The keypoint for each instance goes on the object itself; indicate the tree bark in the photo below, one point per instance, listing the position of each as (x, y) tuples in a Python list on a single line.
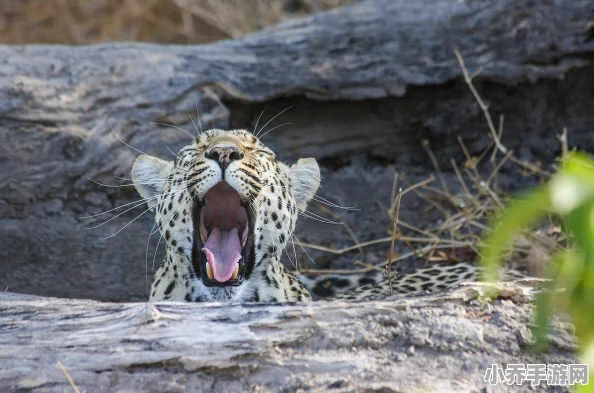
[(440, 343)]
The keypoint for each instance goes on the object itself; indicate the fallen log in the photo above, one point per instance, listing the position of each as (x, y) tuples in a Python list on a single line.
[(442, 342)]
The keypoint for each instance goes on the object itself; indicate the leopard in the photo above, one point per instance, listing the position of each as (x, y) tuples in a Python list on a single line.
[(226, 208)]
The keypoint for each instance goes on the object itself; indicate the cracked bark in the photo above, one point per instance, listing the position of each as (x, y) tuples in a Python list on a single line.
[(431, 343)]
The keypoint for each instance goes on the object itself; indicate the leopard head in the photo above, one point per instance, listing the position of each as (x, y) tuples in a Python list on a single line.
[(225, 207)]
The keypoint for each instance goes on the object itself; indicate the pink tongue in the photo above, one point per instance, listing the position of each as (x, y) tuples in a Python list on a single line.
[(223, 252)]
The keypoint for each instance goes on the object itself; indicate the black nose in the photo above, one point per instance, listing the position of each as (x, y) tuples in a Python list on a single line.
[(224, 155)]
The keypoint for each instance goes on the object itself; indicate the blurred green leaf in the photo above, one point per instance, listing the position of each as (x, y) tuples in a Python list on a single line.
[(569, 195), (520, 213)]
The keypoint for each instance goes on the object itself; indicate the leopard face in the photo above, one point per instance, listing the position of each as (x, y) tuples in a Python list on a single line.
[(226, 209)]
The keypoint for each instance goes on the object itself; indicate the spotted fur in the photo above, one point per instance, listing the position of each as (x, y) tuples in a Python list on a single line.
[(275, 194), (372, 285)]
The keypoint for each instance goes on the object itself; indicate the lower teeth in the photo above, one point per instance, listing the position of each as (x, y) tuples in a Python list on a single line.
[(211, 276)]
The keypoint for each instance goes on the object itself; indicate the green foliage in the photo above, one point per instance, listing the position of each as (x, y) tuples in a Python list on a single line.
[(569, 195)]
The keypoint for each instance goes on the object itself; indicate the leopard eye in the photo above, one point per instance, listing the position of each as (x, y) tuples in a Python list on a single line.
[(265, 152)]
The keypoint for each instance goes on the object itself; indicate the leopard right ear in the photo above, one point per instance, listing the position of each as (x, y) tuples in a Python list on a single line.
[(305, 179), (149, 175)]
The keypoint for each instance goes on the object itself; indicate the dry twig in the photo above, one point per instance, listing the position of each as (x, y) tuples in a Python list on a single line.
[(480, 101), (394, 234), (68, 377)]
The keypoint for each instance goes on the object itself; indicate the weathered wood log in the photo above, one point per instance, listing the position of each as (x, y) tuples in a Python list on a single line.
[(384, 72), (441, 343)]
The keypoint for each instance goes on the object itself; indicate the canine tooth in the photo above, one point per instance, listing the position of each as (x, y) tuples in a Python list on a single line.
[(209, 272), (236, 272), (243, 241), (203, 237)]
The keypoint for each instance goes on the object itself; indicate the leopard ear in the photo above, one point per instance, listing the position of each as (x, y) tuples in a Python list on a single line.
[(149, 175), (305, 179)]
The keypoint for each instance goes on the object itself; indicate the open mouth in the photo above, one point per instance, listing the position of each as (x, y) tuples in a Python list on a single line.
[(222, 237)]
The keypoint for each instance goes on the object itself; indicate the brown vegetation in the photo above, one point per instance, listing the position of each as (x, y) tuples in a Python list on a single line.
[(164, 21), (467, 209)]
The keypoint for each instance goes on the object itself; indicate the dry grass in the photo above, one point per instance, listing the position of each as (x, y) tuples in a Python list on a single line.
[(163, 21), (466, 212)]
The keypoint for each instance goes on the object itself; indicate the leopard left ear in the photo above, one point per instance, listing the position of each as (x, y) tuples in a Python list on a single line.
[(305, 179), (148, 175)]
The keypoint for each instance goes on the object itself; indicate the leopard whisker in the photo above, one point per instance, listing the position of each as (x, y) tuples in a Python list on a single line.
[(156, 181), (126, 178), (198, 112), (130, 179), (176, 127), (171, 151), (192, 119), (125, 226), (252, 208), (177, 157), (181, 207), (127, 210), (257, 121), (138, 202), (319, 199), (290, 260), (264, 126), (319, 218), (303, 248), (151, 233), (124, 185), (295, 254), (156, 249), (121, 140), (272, 129)]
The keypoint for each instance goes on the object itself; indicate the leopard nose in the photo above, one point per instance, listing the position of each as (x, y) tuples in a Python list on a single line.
[(224, 155)]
